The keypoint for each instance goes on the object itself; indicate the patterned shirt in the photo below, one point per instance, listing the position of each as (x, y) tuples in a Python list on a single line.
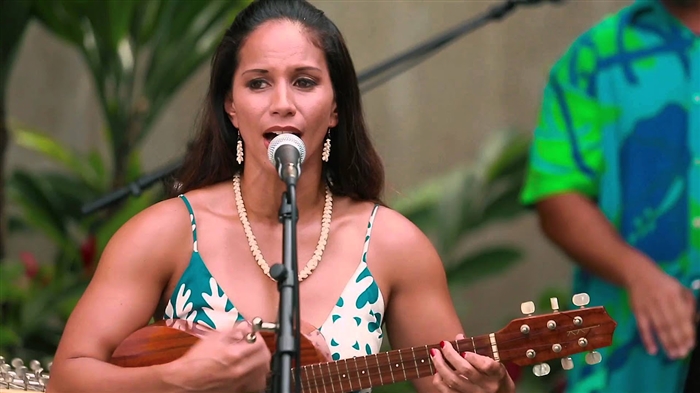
[(620, 123)]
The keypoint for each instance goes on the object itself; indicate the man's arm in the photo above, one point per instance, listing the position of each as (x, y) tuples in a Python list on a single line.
[(566, 164), (662, 306), (575, 224)]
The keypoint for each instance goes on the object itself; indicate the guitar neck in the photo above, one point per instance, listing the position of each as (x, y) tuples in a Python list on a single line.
[(386, 367)]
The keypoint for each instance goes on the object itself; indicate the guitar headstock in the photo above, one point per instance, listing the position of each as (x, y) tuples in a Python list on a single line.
[(535, 339), (16, 376)]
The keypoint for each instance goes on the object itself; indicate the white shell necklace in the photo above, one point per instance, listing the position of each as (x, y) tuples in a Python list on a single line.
[(322, 240)]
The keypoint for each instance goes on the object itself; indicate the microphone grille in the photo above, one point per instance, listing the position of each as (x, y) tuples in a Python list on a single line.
[(286, 139)]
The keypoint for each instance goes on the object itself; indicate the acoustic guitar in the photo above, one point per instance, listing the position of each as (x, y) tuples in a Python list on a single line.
[(531, 340)]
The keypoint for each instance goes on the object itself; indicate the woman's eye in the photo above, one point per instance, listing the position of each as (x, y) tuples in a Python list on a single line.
[(305, 83), (256, 84)]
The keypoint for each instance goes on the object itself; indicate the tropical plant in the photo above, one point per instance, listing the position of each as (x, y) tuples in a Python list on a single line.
[(139, 54), (453, 208)]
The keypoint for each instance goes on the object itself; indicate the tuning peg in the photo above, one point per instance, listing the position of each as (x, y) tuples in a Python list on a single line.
[(567, 363), (44, 380), (34, 365), (17, 363), (581, 299), (527, 308), (593, 357), (22, 373), (5, 372), (555, 304), (540, 370)]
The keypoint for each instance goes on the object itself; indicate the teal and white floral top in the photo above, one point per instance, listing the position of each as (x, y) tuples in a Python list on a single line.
[(353, 328)]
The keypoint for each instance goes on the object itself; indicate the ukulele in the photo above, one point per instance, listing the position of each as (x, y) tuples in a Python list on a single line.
[(531, 340)]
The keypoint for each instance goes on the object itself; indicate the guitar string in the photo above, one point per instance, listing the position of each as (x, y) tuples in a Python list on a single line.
[(334, 376)]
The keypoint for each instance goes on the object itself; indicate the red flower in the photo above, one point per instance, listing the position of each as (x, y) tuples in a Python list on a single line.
[(31, 266)]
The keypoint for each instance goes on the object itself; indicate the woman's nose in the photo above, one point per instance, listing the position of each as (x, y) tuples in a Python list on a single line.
[(282, 101)]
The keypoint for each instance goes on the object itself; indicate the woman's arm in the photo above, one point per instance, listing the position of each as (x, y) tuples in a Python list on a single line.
[(420, 310), (121, 298)]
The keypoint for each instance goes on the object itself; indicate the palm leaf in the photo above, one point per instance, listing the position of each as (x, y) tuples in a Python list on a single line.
[(38, 208), (51, 148), (139, 53)]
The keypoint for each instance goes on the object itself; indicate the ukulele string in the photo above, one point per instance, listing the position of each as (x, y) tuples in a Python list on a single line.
[(334, 376)]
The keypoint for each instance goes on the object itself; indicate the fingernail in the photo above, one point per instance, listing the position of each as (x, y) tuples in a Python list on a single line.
[(433, 352), (443, 343), (464, 355)]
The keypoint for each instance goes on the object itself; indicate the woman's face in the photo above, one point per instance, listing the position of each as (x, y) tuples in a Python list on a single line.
[(282, 85)]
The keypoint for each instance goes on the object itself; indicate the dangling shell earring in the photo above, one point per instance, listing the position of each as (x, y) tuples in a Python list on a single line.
[(239, 149), (326, 153)]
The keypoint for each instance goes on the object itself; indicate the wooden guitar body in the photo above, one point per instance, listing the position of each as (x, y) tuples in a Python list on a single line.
[(165, 341)]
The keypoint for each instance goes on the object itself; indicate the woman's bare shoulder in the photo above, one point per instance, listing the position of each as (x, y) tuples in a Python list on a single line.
[(155, 233), (394, 233), (401, 246), (393, 236)]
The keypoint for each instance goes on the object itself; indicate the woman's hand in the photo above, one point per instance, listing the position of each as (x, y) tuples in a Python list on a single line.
[(468, 372), (222, 362)]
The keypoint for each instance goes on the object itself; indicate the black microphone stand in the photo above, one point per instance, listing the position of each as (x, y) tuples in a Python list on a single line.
[(286, 274), (415, 55), (134, 188)]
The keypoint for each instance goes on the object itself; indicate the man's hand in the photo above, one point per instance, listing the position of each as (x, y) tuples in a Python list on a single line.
[(664, 309)]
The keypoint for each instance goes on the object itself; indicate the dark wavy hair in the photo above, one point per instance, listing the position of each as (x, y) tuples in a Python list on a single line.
[(354, 167)]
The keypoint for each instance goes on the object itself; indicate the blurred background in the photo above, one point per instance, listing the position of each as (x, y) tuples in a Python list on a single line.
[(85, 114)]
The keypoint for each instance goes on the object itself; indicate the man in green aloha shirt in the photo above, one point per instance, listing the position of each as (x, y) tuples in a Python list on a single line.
[(615, 175)]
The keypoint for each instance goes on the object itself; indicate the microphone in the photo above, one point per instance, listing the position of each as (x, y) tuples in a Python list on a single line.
[(286, 152)]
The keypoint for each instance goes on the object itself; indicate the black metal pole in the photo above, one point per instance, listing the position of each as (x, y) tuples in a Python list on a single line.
[(288, 337)]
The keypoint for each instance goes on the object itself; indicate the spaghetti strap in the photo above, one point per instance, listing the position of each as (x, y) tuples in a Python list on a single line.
[(192, 221), (370, 224)]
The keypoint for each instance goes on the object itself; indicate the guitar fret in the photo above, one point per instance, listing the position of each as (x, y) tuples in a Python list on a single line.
[(415, 363), (368, 372), (308, 380), (330, 377), (391, 369), (403, 366), (379, 369), (340, 376), (430, 360), (323, 383), (357, 370), (348, 374)]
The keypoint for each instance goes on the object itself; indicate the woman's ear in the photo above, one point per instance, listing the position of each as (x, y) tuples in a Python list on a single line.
[(334, 116), (231, 110)]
